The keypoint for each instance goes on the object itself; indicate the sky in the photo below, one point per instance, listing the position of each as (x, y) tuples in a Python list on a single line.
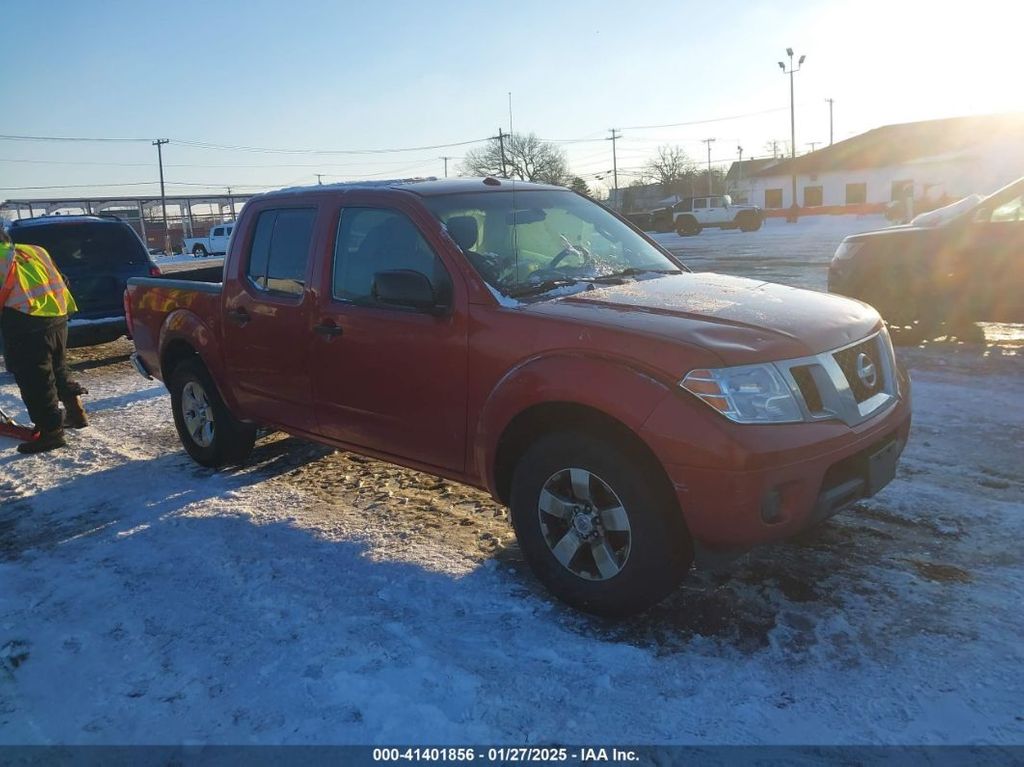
[(327, 80)]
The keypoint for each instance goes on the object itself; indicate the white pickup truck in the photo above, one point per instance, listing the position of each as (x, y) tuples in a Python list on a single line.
[(691, 214), (215, 244)]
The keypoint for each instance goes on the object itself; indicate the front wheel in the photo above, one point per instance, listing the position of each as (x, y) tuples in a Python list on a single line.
[(750, 223), (597, 524), (208, 431)]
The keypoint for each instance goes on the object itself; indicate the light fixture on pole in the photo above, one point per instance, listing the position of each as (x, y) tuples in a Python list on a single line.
[(792, 215)]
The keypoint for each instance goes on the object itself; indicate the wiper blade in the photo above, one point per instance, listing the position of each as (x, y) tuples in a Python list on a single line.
[(541, 287), (632, 271)]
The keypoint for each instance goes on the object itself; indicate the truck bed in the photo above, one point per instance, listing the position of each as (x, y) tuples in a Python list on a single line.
[(152, 300)]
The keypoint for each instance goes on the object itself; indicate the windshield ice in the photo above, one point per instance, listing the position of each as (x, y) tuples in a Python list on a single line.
[(533, 240)]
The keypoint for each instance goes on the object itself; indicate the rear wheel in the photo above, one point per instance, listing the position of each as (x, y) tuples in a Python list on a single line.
[(597, 525), (208, 431), (688, 226), (198, 251)]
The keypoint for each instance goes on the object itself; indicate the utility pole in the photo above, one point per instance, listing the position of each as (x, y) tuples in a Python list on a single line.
[(792, 217), (739, 170), (708, 141), (446, 159), (615, 165), (163, 196), (830, 120), (232, 201), (813, 144), (319, 179), (775, 149), (501, 145)]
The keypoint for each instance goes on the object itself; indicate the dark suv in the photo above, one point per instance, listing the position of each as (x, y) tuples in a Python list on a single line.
[(96, 255), (950, 267)]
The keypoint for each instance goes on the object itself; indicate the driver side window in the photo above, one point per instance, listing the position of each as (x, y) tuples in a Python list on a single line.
[(372, 240)]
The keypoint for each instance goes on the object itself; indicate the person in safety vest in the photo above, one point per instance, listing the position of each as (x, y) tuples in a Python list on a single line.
[(36, 304)]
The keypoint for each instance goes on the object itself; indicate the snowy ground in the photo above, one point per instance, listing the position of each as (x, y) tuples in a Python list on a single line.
[(318, 597)]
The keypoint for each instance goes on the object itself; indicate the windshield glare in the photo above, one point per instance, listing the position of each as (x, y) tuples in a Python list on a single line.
[(547, 237)]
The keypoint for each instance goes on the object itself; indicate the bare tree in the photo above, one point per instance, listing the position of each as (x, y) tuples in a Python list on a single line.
[(526, 157), (670, 166)]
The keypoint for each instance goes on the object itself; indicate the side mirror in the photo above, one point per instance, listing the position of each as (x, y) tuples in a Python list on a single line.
[(406, 287)]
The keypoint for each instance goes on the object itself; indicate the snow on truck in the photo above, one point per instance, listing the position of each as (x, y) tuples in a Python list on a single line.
[(523, 339), (215, 244)]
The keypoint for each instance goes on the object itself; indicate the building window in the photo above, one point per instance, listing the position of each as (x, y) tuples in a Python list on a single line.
[(901, 190), (773, 198), (812, 196), (856, 194)]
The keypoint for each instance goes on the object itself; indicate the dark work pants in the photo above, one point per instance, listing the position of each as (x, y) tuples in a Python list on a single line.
[(34, 349)]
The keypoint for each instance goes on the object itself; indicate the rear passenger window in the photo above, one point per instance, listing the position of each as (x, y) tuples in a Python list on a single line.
[(702, 203), (280, 250)]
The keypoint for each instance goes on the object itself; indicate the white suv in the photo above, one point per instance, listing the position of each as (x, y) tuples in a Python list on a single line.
[(691, 214)]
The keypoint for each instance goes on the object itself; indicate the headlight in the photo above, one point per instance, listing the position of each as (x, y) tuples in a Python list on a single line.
[(745, 394), (847, 250)]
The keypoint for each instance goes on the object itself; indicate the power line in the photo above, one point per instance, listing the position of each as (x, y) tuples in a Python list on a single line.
[(705, 122), (267, 150), (240, 148), (212, 165), (9, 137)]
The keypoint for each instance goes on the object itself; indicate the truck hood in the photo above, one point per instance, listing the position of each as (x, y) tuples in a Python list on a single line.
[(742, 321)]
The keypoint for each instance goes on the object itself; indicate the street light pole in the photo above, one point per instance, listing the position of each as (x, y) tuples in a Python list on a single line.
[(792, 217), (830, 120), (708, 142)]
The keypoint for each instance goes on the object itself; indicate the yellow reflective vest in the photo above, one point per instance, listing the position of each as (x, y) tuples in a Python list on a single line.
[(31, 283)]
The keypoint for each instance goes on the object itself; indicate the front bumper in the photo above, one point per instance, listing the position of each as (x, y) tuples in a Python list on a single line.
[(782, 479)]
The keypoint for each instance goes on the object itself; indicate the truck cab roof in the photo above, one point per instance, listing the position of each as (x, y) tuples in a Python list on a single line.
[(424, 187)]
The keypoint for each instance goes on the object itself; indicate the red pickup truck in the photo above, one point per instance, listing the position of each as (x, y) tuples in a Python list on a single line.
[(523, 339)]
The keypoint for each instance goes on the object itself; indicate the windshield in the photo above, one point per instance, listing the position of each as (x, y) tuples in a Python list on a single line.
[(548, 239)]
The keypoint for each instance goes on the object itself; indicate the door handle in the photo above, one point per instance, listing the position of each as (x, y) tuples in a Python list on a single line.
[(328, 329), (239, 316)]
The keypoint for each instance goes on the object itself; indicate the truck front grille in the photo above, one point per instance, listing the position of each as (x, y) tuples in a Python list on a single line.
[(808, 388), (862, 366), (851, 383)]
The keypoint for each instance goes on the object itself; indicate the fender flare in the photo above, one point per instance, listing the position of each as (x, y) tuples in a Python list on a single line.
[(627, 394), (182, 325)]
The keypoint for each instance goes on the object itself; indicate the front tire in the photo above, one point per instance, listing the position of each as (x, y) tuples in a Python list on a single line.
[(750, 223), (206, 428), (597, 524)]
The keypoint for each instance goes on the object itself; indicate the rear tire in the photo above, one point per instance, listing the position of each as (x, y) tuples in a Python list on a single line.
[(199, 251), (597, 525), (208, 431), (688, 227)]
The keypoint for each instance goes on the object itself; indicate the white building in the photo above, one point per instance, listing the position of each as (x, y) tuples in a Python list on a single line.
[(931, 161)]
